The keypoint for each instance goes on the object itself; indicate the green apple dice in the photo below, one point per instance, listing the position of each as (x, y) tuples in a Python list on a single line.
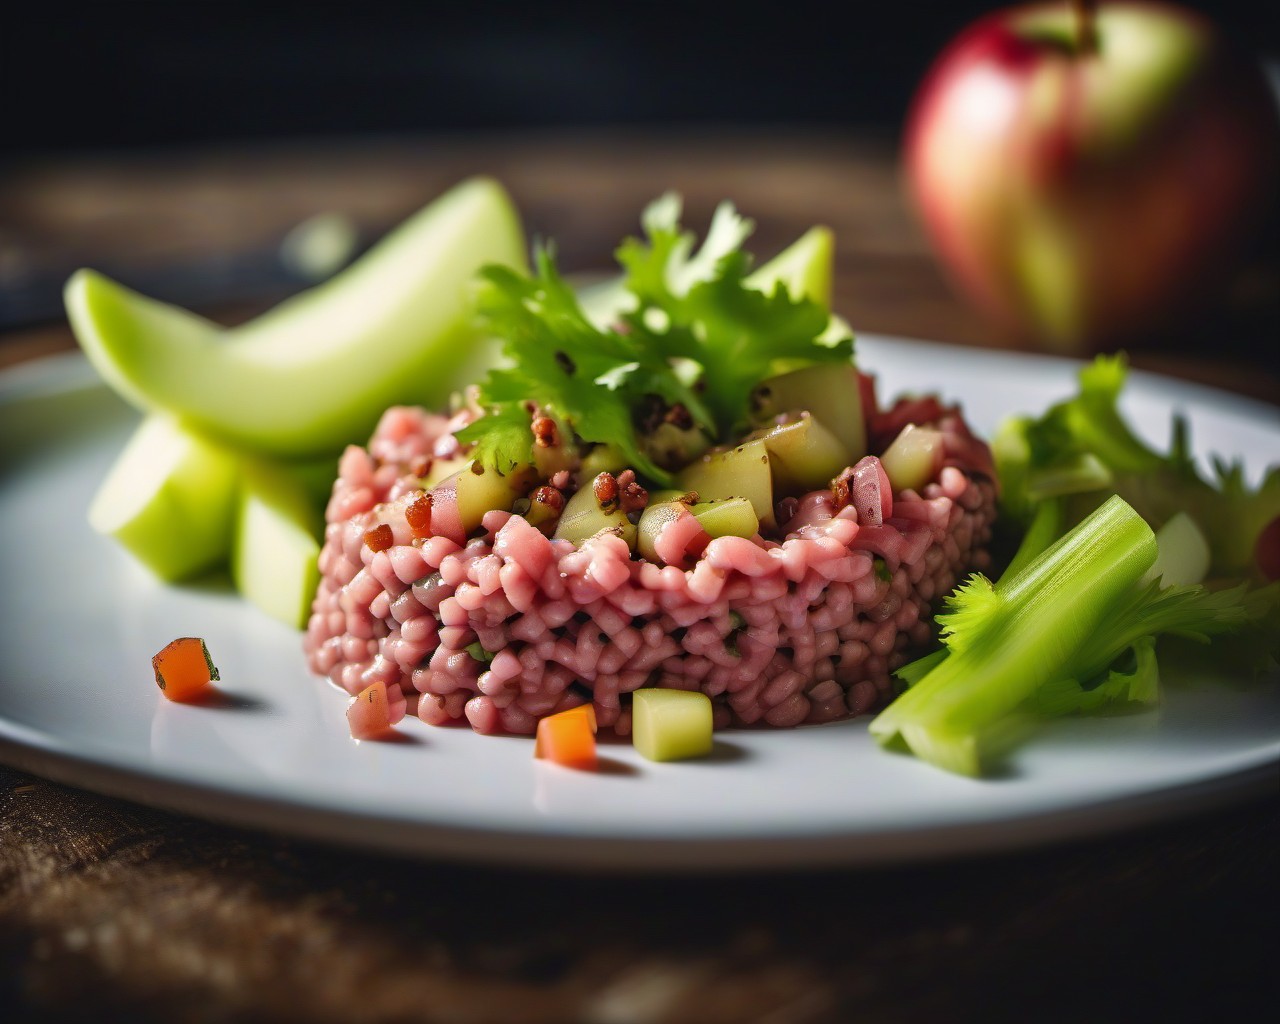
[(829, 393), (583, 517), (803, 454), (656, 517), (168, 500), (738, 472), (729, 517), (461, 500), (275, 551), (914, 458), (315, 372), (671, 725)]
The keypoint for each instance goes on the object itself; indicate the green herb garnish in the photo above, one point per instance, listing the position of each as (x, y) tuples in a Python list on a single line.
[(1082, 450), (1074, 625), (693, 334), (1073, 630)]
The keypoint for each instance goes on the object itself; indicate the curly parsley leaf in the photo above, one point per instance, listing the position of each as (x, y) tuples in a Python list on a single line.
[(505, 441), (700, 308), (558, 360), (697, 335)]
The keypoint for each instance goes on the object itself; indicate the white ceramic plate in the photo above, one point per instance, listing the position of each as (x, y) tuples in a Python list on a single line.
[(79, 622)]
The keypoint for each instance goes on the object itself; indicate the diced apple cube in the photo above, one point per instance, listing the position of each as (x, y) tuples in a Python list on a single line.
[(739, 472), (914, 457), (804, 454), (671, 725), (583, 517)]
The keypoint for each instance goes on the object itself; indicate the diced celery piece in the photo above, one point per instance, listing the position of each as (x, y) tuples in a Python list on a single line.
[(671, 725), (583, 518), (913, 458), (803, 454), (740, 472)]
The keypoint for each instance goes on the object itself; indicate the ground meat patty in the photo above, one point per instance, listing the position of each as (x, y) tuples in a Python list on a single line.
[(514, 626)]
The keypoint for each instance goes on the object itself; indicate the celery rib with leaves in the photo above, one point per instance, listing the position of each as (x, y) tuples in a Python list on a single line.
[(1072, 626), (1074, 630)]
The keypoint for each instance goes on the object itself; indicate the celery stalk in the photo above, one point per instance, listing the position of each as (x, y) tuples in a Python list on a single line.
[(1005, 642), (1046, 527)]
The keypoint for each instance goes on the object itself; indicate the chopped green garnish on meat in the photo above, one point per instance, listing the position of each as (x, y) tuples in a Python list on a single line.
[(694, 336)]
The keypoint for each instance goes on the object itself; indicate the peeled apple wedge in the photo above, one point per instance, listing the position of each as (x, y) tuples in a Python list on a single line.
[(168, 499), (806, 266), (315, 372), (275, 545)]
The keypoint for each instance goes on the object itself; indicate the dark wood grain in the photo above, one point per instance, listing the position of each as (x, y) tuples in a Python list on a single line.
[(109, 910)]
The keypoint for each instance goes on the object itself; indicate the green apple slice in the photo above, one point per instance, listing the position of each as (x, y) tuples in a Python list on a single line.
[(275, 548), (671, 725), (806, 266), (168, 499), (315, 372)]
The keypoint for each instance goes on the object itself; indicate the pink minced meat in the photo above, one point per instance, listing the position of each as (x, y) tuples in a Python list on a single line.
[(807, 628)]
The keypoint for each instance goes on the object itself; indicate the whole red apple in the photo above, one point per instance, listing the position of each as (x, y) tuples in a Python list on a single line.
[(1085, 171)]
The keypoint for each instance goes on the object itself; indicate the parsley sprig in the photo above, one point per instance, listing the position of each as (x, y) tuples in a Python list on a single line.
[(694, 334)]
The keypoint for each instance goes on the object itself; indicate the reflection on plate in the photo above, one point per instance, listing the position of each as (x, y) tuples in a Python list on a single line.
[(80, 621)]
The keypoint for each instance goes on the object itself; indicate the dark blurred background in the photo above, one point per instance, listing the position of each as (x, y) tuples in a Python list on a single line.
[(113, 74)]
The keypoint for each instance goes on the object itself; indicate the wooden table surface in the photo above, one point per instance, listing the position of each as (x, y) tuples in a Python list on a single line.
[(110, 910)]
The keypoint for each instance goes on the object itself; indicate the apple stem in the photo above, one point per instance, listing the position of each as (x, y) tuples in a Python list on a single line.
[(1086, 28)]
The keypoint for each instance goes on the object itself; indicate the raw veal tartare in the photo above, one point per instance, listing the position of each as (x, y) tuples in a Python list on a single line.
[(689, 487)]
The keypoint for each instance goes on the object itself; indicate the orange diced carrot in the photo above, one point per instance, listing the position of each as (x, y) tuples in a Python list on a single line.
[(568, 738), (183, 668), (368, 714)]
